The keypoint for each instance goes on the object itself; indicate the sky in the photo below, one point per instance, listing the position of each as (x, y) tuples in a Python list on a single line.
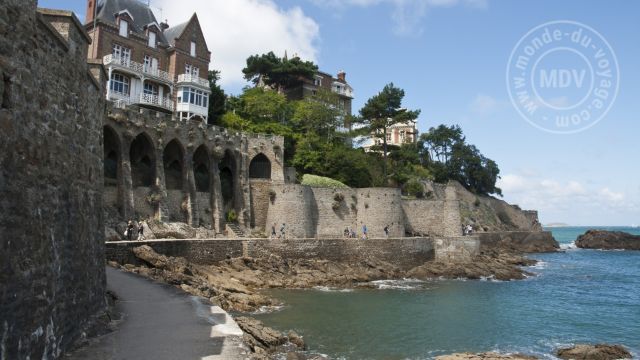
[(452, 58)]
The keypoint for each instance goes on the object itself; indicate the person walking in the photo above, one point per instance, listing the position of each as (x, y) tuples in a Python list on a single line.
[(129, 230), (140, 231), (273, 231), (364, 231), (282, 231), (386, 231)]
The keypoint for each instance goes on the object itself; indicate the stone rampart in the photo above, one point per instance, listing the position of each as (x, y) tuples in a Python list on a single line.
[(52, 277), (402, 252)]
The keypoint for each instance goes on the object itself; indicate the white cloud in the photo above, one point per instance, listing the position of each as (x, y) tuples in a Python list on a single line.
[(570, 201), (407, 15), (236, 29), (484, 104)]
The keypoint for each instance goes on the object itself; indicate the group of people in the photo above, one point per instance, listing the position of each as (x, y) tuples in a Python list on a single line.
[(134, 231), (349, 232), (467, 229), (273, 232)]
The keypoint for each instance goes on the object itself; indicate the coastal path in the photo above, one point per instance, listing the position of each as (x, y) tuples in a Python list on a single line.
[(161, 322)]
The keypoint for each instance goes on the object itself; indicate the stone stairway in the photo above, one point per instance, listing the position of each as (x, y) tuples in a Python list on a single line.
[(236, 229)]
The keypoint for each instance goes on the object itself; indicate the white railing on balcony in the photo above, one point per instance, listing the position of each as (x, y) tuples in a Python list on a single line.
[(125, 62), (188, 78), (156, 100), (342, 91)]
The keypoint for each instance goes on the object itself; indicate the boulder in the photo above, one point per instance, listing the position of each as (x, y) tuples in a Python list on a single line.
[(259, 336), (608, 240), (176, 230), (110, 234), (174, 264), (594, 352)]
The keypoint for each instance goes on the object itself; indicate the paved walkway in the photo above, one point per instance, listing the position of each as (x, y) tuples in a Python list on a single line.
[(161, 322)]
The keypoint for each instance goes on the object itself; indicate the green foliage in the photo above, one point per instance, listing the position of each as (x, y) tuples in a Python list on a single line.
[(321, 181), (448, 156), (234, 121), (231, 216), (382, 111), (216, 98), (276, 72), (414, 187)]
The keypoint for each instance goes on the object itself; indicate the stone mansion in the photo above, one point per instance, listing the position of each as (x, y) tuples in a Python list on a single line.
[(149, 64)]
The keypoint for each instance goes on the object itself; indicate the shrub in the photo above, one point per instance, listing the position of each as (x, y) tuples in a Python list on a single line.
[(415, 188), (231, 216), (321, 181), (272, 195), (335, 206), (338, 197), (476, 203)]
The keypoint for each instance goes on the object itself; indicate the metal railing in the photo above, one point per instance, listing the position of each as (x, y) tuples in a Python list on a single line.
[(126, 63), (156, 100), (193, 79)]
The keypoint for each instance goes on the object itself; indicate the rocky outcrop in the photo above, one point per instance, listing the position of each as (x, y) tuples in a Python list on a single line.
[(263, 339), (608, 240), (485, 356), (175, 230), (519, 241), (594, 352), (489, 265)]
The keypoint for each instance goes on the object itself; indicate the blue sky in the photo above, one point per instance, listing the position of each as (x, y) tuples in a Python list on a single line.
[(451, 57)]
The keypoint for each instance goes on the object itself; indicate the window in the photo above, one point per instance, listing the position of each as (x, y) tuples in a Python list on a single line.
[(150, 63), (317, 80), (191, 70), (402, 132), (150, 88), (122, 53), (189, 95), (388, 137), (152, 39), (124, 28), (193, 49), (119, 84)]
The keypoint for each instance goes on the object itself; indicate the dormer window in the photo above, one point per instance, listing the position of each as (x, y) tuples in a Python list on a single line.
[(152, 39), (193, 49), (124, 28)]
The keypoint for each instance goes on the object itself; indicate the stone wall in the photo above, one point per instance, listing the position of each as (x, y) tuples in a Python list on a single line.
[(424, 216), (52, 277), (323, 212), (457, 248), (402, 252), (260, 199), (215, 147), (524, 241)]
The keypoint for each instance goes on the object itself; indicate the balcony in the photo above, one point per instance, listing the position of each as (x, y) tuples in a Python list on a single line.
[(192, 79), (154, 100), (125, 63), (344, 92)]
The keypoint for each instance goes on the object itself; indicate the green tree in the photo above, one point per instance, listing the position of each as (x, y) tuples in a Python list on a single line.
[(278, 73), (216, 98), (318, 114), (383, 110)]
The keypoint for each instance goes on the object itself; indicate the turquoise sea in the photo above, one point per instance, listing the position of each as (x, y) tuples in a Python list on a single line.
[(576, 296)]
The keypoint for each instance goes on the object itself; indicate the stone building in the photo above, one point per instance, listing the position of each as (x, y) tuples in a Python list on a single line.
[(325, 81), (150, 64), (52, 277), (397, 134)]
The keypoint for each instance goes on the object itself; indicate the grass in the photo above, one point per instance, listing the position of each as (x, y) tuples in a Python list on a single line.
[(321, 181)]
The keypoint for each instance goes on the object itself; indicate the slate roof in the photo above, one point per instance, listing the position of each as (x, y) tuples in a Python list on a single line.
[(174, 32), (141, 13)]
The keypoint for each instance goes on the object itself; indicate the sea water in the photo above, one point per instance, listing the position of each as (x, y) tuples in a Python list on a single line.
[(576, 296)]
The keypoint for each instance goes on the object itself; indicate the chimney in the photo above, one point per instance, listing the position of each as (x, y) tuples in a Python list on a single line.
[(91, 11), (342, 76), (164, 25)]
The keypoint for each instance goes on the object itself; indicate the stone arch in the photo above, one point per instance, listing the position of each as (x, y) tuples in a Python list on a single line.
[(201, 169), (173, 162), (260, 167), (143, 161), (111, 145), (227, 167)]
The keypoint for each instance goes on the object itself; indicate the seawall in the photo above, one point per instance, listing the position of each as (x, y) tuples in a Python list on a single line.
[(402, 252)]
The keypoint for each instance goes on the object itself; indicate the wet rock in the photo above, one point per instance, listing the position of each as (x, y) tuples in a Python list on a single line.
[(258, 335), (489, 265), (608, 240), (594, 352), (485, 356)]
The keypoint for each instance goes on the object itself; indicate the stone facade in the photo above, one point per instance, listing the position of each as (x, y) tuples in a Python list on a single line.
[(159, 168), (52, 277)]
